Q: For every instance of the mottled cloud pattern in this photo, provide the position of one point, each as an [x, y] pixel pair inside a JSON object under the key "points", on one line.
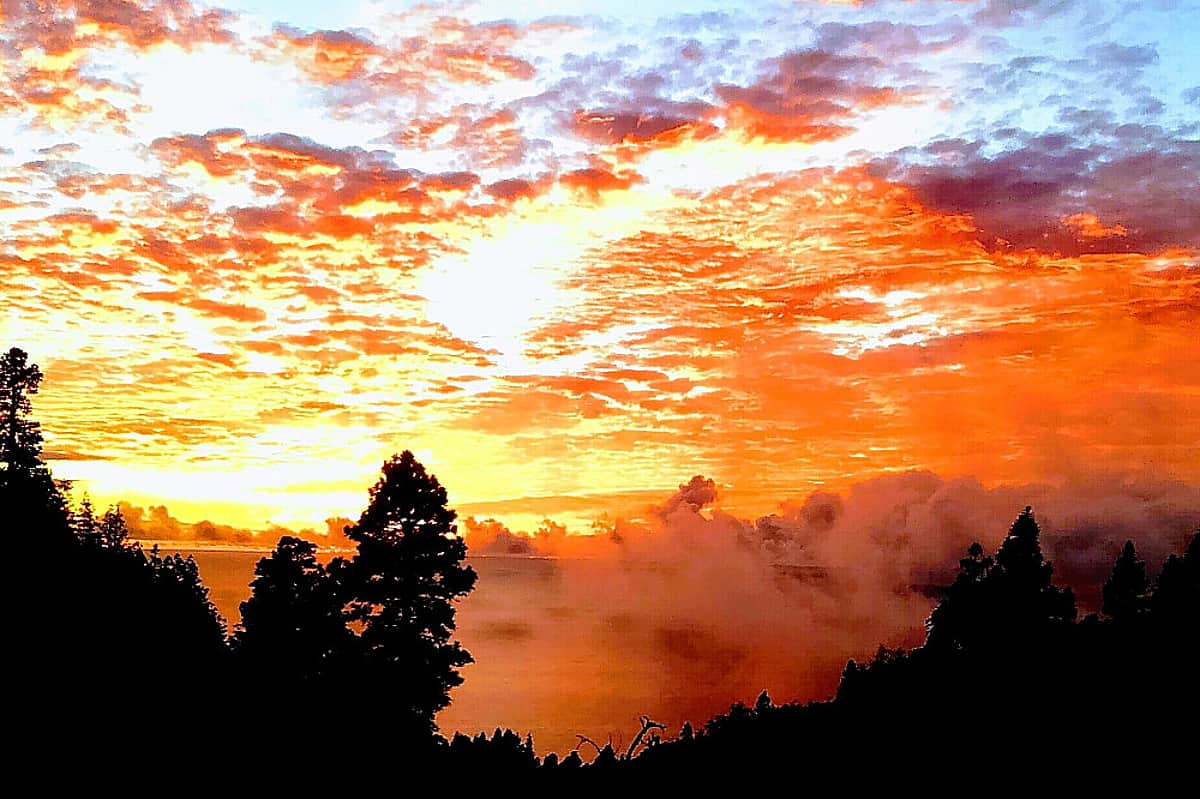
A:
{"points": [[568, 259]]}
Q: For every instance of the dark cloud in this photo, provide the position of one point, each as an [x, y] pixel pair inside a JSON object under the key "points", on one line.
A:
{"points": [[644, 124], [1140, 178], [511, 631], [811, 95], [697, 493], [512, 189]]}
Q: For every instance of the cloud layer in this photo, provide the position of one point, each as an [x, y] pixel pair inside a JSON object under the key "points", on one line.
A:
{"points": [[577, 256]]}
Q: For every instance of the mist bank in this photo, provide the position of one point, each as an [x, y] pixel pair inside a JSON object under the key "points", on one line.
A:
{"points": [[682, 609], [895, 535]]}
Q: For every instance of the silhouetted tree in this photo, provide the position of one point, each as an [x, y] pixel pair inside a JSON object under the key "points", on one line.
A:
{"points": [[292, 626], [85, 524], [20, 437], [108, 531], [183, 599], [1176, 597], [503, 752], [91, 611], [1007, 604], [109, 615], [112, 531], [960, 617], [400, 587], [1126, 590], [30, 501]]}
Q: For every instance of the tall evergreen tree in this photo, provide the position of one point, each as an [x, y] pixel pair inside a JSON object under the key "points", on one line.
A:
{"points": [[31, 503], [1126, 590], [85, 524], [400, 588], [1027, 602], [20, 436], [112, 530], [1176, 598], [1008, 603]]}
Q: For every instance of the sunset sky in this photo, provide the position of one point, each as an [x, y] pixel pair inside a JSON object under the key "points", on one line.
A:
{"points": [[583, 251]]}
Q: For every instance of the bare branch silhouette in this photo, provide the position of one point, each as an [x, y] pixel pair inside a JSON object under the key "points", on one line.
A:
{"points": [[583, 739], [647, 725]]}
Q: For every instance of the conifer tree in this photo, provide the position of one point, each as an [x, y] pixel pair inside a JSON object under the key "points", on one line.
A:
{"points": [[31, 503], [1125, 591], [400, 588]]}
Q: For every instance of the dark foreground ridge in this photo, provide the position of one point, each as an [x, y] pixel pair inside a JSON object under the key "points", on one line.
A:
{"points": [[339, 668]]}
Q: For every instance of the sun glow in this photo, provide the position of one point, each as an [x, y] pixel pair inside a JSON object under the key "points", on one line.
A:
{"points": [[561, 256]]}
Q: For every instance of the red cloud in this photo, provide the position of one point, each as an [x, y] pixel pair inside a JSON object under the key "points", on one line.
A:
{"points": [[592, 182], [516, 188]]}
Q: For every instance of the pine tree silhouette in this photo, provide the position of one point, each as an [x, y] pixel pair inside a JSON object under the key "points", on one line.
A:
{"points": [[1006, 604], [400, 587], [1126, 592], [33, 510]]}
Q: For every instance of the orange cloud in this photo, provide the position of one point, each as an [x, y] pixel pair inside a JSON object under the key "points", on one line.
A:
{"points": [[487, 275], [328, 56], [1089, 226], [592, 182], [52, 47], [447, 50]]}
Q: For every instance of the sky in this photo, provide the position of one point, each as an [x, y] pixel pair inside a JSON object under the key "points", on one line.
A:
{"points": [[572, 254]]}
